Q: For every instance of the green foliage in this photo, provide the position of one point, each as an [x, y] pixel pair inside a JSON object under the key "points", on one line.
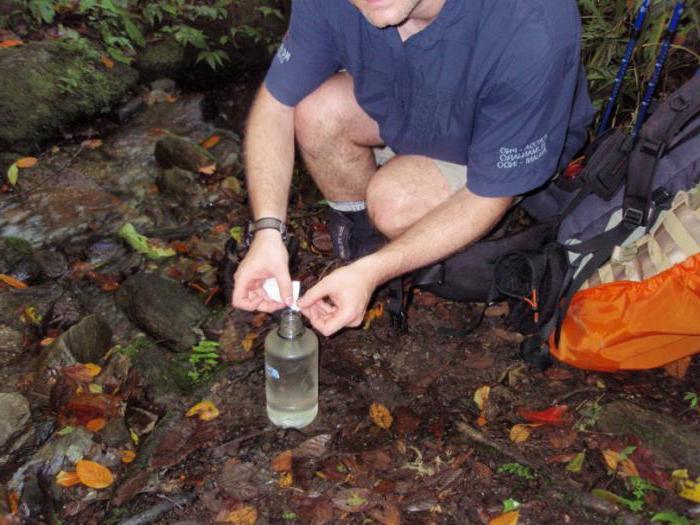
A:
{"points": [[516, 469], [668, 516], [140, 342], [203, 359], [692, 399], [510, 505], [639, 487]]}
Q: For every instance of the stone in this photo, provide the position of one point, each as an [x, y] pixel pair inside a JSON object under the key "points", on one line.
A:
{"points": [[163, 84], [163, 309], [179, 184], [40, 297], [85, 342], [17, 259], [50, 84], [175, 152], [161, 59], [53, 263], [10, 345], [673, 444], [16, 430]]}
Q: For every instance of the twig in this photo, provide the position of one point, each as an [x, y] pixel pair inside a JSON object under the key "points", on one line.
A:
{"points": [[574, 393], [152, 514], [246, 437]]}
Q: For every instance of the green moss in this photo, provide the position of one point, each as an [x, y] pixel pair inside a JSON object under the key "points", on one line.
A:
{"points": [[164, 59]]}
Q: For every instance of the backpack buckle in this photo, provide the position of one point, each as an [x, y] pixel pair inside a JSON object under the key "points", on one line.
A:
{"points": [[633, 217], [652, 147]]}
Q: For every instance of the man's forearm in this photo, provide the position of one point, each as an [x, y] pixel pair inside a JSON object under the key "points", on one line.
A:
{"points": [[459, 221], [269, 156]]}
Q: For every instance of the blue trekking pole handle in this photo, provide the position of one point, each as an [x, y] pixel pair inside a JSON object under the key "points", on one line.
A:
{"points": [[638, 25], [660, 61]]}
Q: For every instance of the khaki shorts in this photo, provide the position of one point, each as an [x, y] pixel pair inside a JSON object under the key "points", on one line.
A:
{"points": [[455, 174]]}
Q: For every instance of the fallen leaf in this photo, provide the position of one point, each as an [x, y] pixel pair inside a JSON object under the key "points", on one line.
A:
{"points": [[248, 341], [314, 447], [245, 515], [556, 415], [26, 162], [67, 479], [478, 362], [11, 43], [91, 143], [210, 142], [388, 515], [236, 233], [107, 62], [259, 320], [481, 395], [561, 458], [625, 467], [205, 410], [520, 433], [562, 438], [95, 425], [31, 316], [685, 487], [127, 456], [282, 462], [11, 281], [372, 314], [93, 475], [380, 416], [576, 464], [679, 368], [482, 421], [611, 458], [170, 98], [352, 500], [82, 373], [142, 244], [285, 480], [507, 518], [207, 170], [46, 341], [13, 174]]}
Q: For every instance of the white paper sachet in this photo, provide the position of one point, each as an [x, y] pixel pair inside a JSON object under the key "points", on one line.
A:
{"points": [[272, 290]]}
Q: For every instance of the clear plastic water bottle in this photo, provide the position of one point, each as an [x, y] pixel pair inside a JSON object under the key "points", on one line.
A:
{"points": [[291, 372]]}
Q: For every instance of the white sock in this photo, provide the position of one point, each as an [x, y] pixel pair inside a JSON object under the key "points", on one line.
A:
{"points": [[347, 206]]}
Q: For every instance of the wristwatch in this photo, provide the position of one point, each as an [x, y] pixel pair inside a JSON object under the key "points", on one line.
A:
{"points": [[265, 223]]}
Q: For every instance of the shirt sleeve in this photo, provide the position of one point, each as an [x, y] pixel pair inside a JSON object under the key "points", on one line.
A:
{"points": [[521, 121], [306, 57]]}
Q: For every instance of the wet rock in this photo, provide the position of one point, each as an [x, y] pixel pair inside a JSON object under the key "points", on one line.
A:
{"points": [[17, 259], [175, 152], [161, 59], [130, 109], [163, 84], [115, 433], [52, 262], [141, 421], [85, 342], [40, 297], [10, 345], [65, 312], [163, 309], [15, 426], [673, 444], [180, 184], [34, 100]]}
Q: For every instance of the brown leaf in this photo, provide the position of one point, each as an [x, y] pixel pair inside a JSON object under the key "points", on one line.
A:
{"points": [[477, 362], [563, 438], [93, 475], [67, 479], [314, 447], [242, 515], [282, 462], [95, 425], [210, 142], [380, 416], [678, 369], [130, 487], [11, 281], [388, 515], [406, 421], [372, 314], [107, 62], [27, 162], [248, 341], [352, 500], [561, 458], [520, 433]]}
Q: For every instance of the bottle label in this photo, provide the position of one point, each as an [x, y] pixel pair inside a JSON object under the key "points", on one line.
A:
{"points": [[272, 372]]}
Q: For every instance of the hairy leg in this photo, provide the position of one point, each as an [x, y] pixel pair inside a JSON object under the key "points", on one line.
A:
{"points": [[335, 137]]}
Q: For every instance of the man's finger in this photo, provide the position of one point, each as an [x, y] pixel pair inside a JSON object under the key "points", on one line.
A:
{"points": [[284, 281], [316, 293]]}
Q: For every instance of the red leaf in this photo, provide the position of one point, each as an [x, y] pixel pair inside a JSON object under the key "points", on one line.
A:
{"points": [[556, 415]]}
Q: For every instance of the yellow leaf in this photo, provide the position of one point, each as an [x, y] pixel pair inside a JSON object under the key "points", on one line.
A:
{"points": [[248, 341], [206, 410], [285, 480], [685, 487], [31, 316], [282, 462], [127, 456], [207, 170], [95, 425], [210, 142], [372, 314], [108, 62], [481, 395], [93, 475], [520, 433], [380, 416], [27, 162], [11, 281], [624, 467], [627, 468], [13, 174], [507, 518], [245, 515], [67, 479], [611, 458], [46, 341], [92, 369]]}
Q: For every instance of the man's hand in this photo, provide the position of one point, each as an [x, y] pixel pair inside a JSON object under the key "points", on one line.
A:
{"points": [[266, 258], [349, 290]]}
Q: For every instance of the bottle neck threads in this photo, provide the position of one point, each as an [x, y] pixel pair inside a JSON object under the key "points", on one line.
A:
{"points": [[291, 325]]}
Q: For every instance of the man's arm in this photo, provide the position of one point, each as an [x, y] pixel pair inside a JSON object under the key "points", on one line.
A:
{"points": [[459, 221], [269, 158]]}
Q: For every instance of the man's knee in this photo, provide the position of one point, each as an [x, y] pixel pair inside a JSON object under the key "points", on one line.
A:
{"points": [[389, 205], [320, 115]]}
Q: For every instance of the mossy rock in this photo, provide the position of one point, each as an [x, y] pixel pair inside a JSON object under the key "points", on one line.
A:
{"points": [[163, 59], [51, 84], [175, 152]]}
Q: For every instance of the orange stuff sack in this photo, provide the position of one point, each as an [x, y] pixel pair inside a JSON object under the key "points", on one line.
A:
{"points": [[634, 325]]}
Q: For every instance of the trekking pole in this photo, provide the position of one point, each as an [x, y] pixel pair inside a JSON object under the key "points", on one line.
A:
{"points": [[612, 100], [660, 61]]}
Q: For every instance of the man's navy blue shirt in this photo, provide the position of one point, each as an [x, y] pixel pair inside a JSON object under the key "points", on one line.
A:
{"points": [[496, 85]]}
